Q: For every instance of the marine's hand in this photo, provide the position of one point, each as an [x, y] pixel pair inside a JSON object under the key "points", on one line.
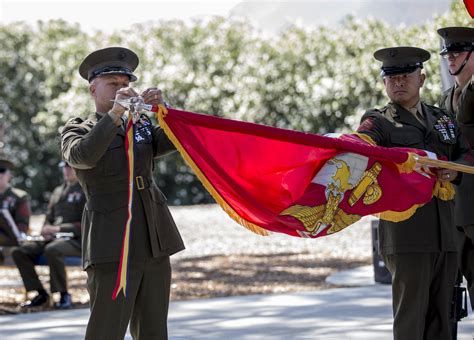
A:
{"points": [[446, 175], [152, 96], [122, 94], [48, 231]]}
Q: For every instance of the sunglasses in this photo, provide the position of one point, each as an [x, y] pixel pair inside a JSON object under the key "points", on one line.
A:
{"points": [[3, 170]]}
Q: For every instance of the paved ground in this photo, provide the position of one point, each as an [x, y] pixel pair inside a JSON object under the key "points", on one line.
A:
{"points": [[360, 312], [344, 313]]}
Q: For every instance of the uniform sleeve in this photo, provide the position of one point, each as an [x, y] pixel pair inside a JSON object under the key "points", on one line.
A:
{"points": [[82, 145], [371, 124], [465, 116], [22, 214], [49, 219], [442, 101], [74, 226], [466, 105], [161, 143], [463, 154], [71, 227]]}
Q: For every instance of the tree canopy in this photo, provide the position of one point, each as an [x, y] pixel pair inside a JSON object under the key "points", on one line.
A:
{"points": [[310, 79]]}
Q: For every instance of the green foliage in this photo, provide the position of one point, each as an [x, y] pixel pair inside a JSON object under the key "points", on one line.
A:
{"points": [[316, 80]]}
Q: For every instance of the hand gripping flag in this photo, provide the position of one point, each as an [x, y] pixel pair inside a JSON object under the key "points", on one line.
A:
{"points": [[300, 184]]}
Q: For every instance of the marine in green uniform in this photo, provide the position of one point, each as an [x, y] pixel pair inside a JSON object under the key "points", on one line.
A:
{"points": [[15, 209], [95, 147], [458, 45], [61, 232], [420, 252]]}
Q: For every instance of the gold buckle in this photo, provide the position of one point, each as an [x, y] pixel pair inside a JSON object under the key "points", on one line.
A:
{"points": [[140, 183]]}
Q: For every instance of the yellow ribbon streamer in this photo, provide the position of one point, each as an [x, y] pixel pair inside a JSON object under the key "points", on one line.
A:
{"points": [[122, 275]]}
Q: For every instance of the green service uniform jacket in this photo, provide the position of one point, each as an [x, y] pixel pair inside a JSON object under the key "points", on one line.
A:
{"points": [[464, 212], [16, 201], [65, 210], [431, 228], [96, 149]]}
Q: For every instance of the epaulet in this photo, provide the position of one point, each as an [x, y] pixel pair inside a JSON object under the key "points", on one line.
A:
{"points": [[75, 120], [389, 112], [20, 193], [372, 111], [78, 123]]}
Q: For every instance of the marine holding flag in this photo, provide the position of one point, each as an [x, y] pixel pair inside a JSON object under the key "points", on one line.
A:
{"points": [[420, 252], [128, 232], [458, 47]]}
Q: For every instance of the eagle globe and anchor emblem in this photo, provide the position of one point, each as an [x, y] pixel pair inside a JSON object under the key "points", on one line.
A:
{"points": [[346, 171]]}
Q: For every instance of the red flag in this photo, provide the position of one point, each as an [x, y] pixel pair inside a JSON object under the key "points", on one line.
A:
{"points": [[470, 7], [301, 184]]}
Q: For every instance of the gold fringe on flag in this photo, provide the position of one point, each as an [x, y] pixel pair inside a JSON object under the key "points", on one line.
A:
{"points": [[408, 166], [397, 216], [365, 138], [444, 190], [160, 115]]}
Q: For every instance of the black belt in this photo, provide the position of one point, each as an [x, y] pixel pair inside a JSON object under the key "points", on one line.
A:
{"points": [[142, 182], [121, 185]]}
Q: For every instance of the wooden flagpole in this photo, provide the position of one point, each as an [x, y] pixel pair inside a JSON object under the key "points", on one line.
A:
{"points": [[444, 164]]}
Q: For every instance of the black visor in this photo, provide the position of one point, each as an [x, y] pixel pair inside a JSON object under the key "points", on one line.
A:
{"points": [[393, 70], [457, 47], [112, 70]]}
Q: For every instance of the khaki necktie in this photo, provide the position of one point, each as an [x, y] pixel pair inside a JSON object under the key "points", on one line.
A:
{"points": [[456, 94], [420, 116]]}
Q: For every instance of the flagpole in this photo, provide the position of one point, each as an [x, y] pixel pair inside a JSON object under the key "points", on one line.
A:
{"points": [[444, 164]]}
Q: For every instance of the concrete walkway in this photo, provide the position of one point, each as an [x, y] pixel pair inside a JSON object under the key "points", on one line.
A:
{"points": [[343, 313]]}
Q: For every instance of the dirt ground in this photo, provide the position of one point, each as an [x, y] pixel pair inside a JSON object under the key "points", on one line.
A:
{"points": [[205, 277]]}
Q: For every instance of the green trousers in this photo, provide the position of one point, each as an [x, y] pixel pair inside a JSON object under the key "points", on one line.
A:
{"points": [[466, 258], [145, 307], [422, 288], [54, 251]]}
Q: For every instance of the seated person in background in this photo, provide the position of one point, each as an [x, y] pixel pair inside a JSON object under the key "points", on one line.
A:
{"points": [[14, 209], [63, 217]]}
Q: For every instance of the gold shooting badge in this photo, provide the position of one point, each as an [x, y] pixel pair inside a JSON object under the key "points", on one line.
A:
{"points": [[340, 174]]}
